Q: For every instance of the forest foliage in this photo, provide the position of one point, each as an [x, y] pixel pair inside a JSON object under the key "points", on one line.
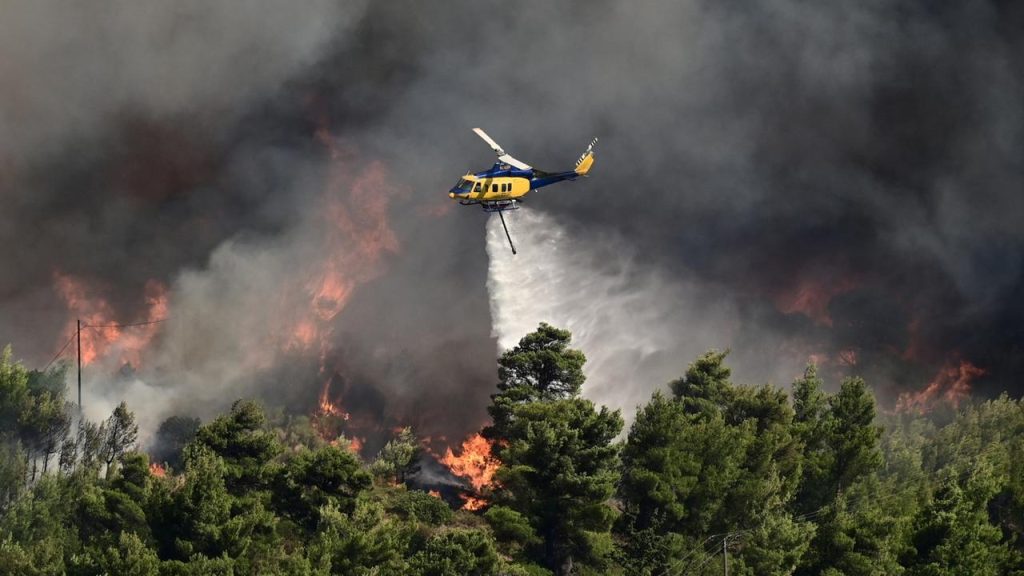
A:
{"points": [[711, 474]]}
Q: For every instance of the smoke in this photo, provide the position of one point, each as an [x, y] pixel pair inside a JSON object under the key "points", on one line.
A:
{"points": [[828, 182], [633, 323], [843, 179], [637, 326], [70, 70]]}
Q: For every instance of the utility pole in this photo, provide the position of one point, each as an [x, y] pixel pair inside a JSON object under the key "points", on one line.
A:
{"points": [[79, 366], [725, 554]]}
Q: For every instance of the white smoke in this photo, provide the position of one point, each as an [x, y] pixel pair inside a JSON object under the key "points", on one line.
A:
{"points": [[638, 328]]}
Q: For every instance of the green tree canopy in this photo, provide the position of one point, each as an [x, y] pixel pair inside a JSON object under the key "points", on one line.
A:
{"points": [[247, 448], [541, 367], [559, 459]]}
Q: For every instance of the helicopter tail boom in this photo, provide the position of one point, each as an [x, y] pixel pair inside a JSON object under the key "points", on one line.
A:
{"points": [[586, 160]]}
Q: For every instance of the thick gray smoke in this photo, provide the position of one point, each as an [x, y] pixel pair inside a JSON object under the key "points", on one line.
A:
{"points": [[831, 181]]}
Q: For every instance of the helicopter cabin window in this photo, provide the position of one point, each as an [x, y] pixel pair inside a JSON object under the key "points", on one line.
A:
{"points": [[494, 187], [477, 188]]}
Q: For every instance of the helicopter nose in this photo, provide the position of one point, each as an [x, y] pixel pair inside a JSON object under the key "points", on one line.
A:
{"points": [[451, 194]]}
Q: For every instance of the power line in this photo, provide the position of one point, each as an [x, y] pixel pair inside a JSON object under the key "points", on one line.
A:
{"points": [[62, 349], [72, 338], [157, 321]]}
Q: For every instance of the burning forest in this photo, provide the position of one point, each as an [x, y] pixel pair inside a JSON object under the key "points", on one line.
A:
{"points": [[239, 301]]}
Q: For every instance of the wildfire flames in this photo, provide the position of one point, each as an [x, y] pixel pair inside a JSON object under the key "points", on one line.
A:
{"points": [[328, 408], [357, 235], [472, 503], [100, 334], [952, 384], [329, 421], [476, 465], [157, 470], [812, 298]]}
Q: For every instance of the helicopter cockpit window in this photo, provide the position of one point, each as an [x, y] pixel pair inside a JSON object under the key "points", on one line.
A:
{"points": [[465, 185]]}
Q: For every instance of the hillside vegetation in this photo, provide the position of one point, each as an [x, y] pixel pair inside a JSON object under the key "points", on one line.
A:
{"points": [[771, 481]]}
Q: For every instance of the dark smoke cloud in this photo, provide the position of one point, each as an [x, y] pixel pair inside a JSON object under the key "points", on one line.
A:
{"points": [[869, 150]]}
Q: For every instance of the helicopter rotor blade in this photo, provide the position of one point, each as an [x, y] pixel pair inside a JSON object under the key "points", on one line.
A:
{"points": [[502, 155]]}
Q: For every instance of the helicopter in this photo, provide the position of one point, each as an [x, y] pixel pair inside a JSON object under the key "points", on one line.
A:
{"points": [[502, 187]]}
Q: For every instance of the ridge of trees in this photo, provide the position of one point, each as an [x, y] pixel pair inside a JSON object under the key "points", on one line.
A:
{"points": [[804, 482]]}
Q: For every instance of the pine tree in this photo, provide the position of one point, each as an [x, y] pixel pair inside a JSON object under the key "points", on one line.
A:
{"points": [[559, 460], [121, 432]]}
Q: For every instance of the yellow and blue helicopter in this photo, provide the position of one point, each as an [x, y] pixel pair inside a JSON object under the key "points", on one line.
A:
{"points": [[503, 186]]}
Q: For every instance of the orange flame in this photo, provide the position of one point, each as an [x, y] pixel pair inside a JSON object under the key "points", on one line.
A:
{"points": [[472, 503], [157, 470], [355, 445], [952, 384], [327, 407], [475, 463], [329, 417], [100, 333], [356, 237], [435, 493], [811, 298]]}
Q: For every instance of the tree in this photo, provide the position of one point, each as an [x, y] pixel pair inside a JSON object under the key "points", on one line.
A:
{"points": [[843, 457], [397, 460], [810, 405], [418, 506], [13, 471], [51, 423], [559, 462], [512, 528], [41, 527], [245, 445], [853, 433], [716, 459], [364, 542], [705, 388], [953, 535], [90, 441], [121, 432], [678, 468], [199, 511], [17, 420], [314, 479], [130, 557], [171, 438], [15, 399], [559, 468], [456, 553], [541, 367]]}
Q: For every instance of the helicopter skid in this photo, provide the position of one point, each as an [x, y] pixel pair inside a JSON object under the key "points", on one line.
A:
{"points": [[500, 205]]}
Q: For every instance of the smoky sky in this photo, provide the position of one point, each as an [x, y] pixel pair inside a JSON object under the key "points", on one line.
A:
{"points": [[871, 152]]}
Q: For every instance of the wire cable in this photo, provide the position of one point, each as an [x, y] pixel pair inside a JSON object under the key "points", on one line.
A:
{"points": [[72, 338], [62, 349], [157, 321]]}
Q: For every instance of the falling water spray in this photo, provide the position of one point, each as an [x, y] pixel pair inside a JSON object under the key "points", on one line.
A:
{"points": [[637, 328]]}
